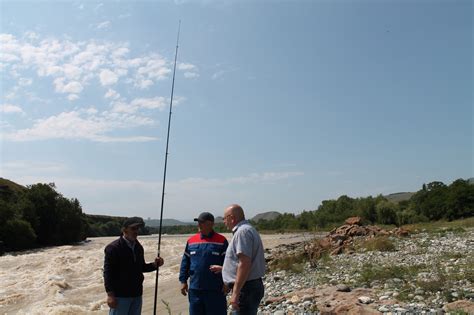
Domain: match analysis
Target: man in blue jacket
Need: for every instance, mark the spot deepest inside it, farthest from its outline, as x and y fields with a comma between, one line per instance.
x=124, y=265
x=202, y=263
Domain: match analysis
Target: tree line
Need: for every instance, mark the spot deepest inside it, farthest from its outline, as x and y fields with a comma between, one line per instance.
x=38, y=215
x=434, y=201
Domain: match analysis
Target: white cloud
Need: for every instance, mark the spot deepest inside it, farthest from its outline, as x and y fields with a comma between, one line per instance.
x=123, y=107
x=191, y=75
x=143, y=83
x=70, y=87
x=149, y=70
x=6, y=57
x=138, y=103
x=150, y=103
x=186, y=66
x=105, y=24
x=108, y=77
x=72, y=97
x=75, y=125
x=10, y=109
x=6, y=37
x=70, y=68
x=72, y=72
x=177, y=100
x=122, y=51
x=91, y=111
x=31, y=35
x=83, y=61
x=155, y=68
x=112, y=94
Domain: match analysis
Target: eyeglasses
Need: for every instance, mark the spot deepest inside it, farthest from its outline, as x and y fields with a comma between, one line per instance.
x=134, y=228
x=226, y=216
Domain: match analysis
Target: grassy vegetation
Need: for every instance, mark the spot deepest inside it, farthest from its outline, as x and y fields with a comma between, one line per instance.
x=455, y=226
x=433, y=285
x=371, y=273
x=381, y=244
x=291, y=263
x=326, y=259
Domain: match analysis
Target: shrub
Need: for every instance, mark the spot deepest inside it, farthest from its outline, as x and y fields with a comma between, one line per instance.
x=386, y=212
x=18, y=234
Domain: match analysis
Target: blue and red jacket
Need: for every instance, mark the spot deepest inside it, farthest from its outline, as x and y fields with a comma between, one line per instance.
x=200, y=253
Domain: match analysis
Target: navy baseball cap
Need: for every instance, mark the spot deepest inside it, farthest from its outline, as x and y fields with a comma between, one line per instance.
x=205, y=216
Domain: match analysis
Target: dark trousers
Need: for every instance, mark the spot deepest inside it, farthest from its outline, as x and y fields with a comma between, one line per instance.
x=250, y=296
x=207, y=302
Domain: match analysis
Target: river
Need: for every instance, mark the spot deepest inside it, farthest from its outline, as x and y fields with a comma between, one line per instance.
x=68, y=279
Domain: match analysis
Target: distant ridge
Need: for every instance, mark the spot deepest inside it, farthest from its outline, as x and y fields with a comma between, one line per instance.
x=6, y=185
x=268, y=216
x=400, y=196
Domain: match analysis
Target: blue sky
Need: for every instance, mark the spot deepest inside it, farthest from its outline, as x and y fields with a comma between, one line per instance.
x=278, y=104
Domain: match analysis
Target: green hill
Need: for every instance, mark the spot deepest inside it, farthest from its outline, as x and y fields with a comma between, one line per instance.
x=268, y=216
x=7, y=185
x=401, y=196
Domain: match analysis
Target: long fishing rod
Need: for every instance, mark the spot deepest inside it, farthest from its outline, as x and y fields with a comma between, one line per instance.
x=166, y=163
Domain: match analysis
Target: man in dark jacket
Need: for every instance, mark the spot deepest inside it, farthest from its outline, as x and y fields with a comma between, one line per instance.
x=124, y=265
x=202, y=263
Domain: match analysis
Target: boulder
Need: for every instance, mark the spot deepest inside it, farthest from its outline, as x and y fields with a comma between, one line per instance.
x=461, y=305
x=354, y=221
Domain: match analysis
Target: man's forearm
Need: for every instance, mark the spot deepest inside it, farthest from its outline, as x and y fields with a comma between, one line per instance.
x=243, y=271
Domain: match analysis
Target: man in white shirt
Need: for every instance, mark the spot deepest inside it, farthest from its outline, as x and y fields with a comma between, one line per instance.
x=244, y=264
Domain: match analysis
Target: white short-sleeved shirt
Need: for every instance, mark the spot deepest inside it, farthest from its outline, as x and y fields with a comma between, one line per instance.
x=247, y=241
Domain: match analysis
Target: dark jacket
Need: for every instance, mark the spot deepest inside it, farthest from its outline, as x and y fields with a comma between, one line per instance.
x=200, y=253
x=123, y=269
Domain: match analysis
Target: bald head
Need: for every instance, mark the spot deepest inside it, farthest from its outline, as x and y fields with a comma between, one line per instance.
x=233, y=214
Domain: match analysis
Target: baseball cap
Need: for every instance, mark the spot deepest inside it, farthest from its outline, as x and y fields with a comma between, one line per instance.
x=135, y=221
x=205, y=216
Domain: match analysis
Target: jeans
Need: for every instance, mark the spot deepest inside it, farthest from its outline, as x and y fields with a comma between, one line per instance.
x=127, y=306
x=207, y=302
x=250, y=296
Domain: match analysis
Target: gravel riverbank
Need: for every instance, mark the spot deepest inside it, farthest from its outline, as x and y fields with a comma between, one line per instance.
x=424, y=273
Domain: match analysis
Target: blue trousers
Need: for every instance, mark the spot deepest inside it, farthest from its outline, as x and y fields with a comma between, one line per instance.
x=207, y=302
x=250, y=296
x=127, y=306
